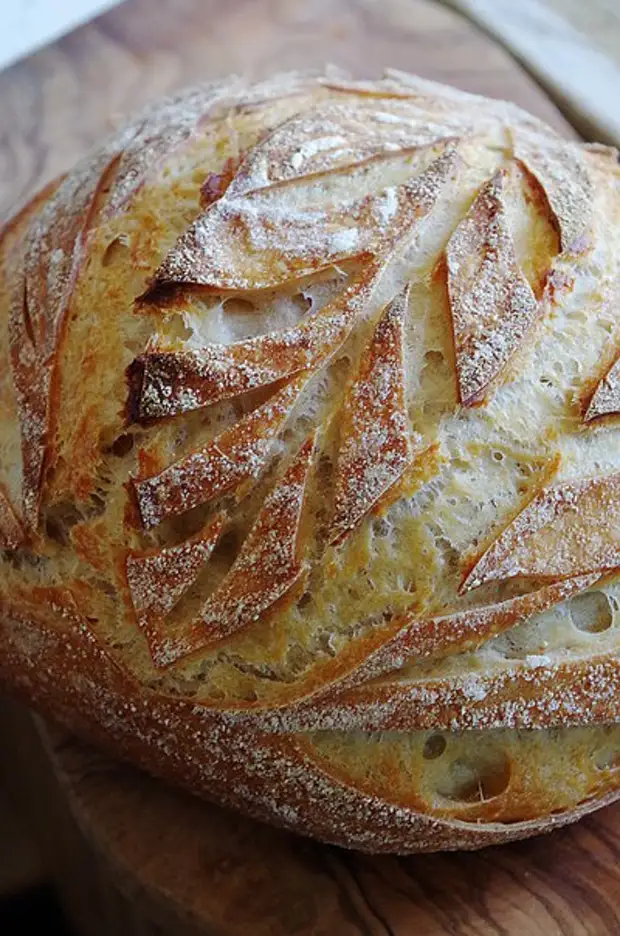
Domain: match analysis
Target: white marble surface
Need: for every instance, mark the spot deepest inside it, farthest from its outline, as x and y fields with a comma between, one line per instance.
x=582, y=79
x=26, y=25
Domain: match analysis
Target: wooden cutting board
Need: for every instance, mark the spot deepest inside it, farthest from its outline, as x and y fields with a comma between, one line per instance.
x=56, y=104
x=183, y=865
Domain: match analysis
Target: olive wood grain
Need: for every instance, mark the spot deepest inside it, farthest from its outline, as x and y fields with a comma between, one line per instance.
x=188, y=867
x=158, y=861
x=60, y=101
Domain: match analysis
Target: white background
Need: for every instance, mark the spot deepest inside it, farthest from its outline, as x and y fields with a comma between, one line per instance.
x=25, y=25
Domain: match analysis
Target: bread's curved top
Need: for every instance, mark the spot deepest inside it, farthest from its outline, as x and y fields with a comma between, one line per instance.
x=310, y=412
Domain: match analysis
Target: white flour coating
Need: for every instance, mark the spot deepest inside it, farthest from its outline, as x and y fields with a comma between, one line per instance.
x=176, y=568
x=416, y=459
x=235, y=456
x=606, y=397
x=562, y=172
x=569, y=527
x=492, y=304
x=375, y=440
x=267, y=237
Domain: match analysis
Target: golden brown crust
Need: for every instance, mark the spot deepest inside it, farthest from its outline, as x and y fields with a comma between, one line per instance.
x=167, y=382
x=605, y=401
x=12, y=250
x=568, y=529
x=11, y=531
x=158, y=579
x=538, y=693
x=492, y=304
x=238, y=766
x=269, y=565
x=286, y=245
x=242, y=475
x=375, y=440
x=562, y=172
x=232, y=458
x=415, y=637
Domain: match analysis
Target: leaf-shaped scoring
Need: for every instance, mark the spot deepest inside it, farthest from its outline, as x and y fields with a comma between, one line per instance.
x=173, y=382
x=337, y=136
x=568, y=529
x=269, y=564
x=31, y=380
x=560, y=168
x=376, y=444
x=491, y=302
x=158, y=579
x=168, y=382
x=233, y=457
x=264, y=232
x=605, y=400
x=261, y=240
x=163, y=128
x=54, y=251
x=411, y=637
x=540, y=692
x=414, y=637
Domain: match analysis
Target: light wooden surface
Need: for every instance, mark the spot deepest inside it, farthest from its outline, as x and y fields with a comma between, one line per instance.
x=571, y=47
x=59, y=102
x=160, y=862
x=195, y=868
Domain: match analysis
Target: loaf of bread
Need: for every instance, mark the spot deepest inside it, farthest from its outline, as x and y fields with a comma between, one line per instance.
x=310, y=458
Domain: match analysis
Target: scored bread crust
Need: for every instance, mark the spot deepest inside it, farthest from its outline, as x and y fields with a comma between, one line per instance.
x=309, y=459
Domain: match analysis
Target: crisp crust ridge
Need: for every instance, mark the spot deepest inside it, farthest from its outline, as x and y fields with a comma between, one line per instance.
x=492, y=304
x=605, y=400
x=341, y=483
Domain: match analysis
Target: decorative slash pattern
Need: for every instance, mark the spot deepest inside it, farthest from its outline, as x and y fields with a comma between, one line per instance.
x=492, y=304
x=270, y=561
x=166, y=383
x=32, y=386
x=568, y=529
x=261, y=240
x=164, y=128
x=157, y=579
x=377, y=445
x=173, y=382
x=419, y=637
x=605, y=400
x=540, y=692
x=409, y=191
x=235, y=456
x=337, y=136
x=103, y=183
x=269, y=564
x=376, y=442
x=280, y=219
x=169, y=382
x=561, y=170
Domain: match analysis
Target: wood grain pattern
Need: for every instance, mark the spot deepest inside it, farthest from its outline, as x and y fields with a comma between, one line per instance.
x=185, y=866
x=236, y=877
x=60, y=101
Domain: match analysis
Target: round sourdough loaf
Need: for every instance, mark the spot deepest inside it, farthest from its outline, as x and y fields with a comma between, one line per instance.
x=310, y=458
